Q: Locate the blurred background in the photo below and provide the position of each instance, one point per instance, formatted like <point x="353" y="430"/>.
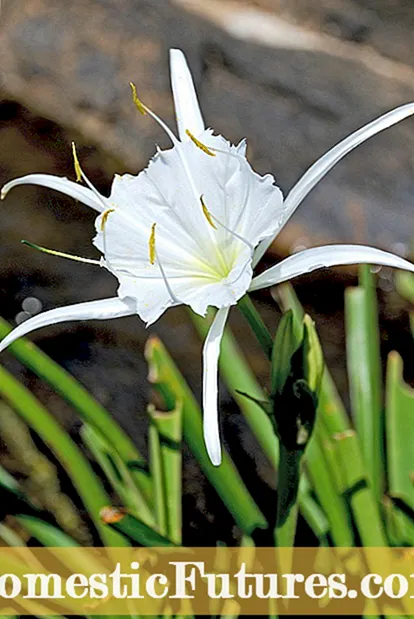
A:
<point x="293" y="77"/>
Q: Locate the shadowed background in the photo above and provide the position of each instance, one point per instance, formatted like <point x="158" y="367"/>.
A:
<point x="292" y="78"/>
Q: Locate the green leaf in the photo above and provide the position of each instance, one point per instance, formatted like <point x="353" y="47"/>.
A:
<point x="249" y="311"/>
<point x="265" y="405"/>
<point x="400" y="526"/>
<point x="157" y="475"/>
<point x="331" y="419"/>
<point x="169" y="428"/>
<point x="170" y="384"/>
<point x="117" y="472"/>
<point x="365" y="376"/>
<point x="71" y="457"/>
<point x="324" y="485"/>
<point x="288" y="339"/>
<point x="400" y="432"/>
<point x="313" y="356"/>
<point x="359" y="494"/>
<point x="45" y="533"/>
<point x="404" y="283"/>
<point x="132" y="528"/>
<point x="312" y="512"/>
<point x="83" y="402"/>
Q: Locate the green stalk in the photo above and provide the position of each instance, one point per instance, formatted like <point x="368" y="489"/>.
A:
<point x="45" y="533"/>
<point x="287" y="491"/>
<point x="70" y="456"/>
<point x="364" y="372"/>
<point x="330" y="406"/>
<point x="404" y="283"/>
<point x="87" y="407"/>
<point x="238" y="377"/>
<point x="330" y="500"/>
<point x="169" y="428"/>
<point x="252" y="316"/>
<point x="312" y="512"/>
<point x="133" y="528"/>
<point x="157" y="475"/>
<point x="400" y="432"/>
<point x="360" y="495"/>
<point x="169" y="382"/>
<point x="117" y="473"/>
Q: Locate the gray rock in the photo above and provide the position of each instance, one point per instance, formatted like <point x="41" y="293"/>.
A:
<point x="292" y="100"/>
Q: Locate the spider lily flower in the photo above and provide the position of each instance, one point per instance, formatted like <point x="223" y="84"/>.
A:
<point x="190" y="228"/>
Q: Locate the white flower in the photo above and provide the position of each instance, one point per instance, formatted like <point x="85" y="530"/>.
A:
<point x="190" y="228"/>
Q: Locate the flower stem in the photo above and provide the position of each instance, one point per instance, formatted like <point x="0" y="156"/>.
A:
<point x="257" y="325"/>
<point x="287" y="493"/>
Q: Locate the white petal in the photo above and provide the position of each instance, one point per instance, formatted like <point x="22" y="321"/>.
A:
<point x="150" y="296"/>
<point x="327" y="256"/>
<point x="211" y="353"/>
<point x="187" y="109"/>
<point x="74" y="190"/>
<point x="91" y="310"/>
<point x="322" y="166"/>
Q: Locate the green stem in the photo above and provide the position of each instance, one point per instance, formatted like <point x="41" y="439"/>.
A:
<point x="171" y="385"/>
<point x="238" y="377"/>
<point x="287" y="494"/>
<point x="250" y="313"/>
<point x="365" y="375"/>
<point x="157" y="474"/>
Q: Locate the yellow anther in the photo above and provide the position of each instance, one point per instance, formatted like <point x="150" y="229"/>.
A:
<point x="151" y="244"/>
<point x="105" y="216"/>
<point x="78" y="169"/>
<point x="199" y="144"/>
<point x="207" y="213"/>
<point x="140" y="106"/>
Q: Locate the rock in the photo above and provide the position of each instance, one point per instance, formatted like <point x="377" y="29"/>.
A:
<point x="291" y="90"/>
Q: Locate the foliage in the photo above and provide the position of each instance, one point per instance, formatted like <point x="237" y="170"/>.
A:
<point x="351" y="482"/>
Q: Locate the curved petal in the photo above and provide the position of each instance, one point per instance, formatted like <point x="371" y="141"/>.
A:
<point x="187" y="109"/>
<point x="327" y="256"/>
<point x="91" y="310"/>
<point x="74" y="190"/>
<point x="322" y="166"/>
<point x="211" y="353"/>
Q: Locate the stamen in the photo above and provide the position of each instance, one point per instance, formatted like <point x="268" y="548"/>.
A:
<point x="78" y="169"/>
<point x="241" y="158"/>
<point x="151" y="244"/>
<point x="232" y="232"/>
<point x="60" y="254"/>
<point x="105" y="216"/>
<point x="207" y="213"/>
<point x="81" y="175"/>
<point x="199" y="144"/>
<point x="139" y="105"/>
<point x="143" y="109"/>
<point x="153" y="255"/>
<point x="164" y="277"/>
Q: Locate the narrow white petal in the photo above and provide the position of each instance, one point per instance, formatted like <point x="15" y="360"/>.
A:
<point x="327" y="256"/>
<point x="74" y="190"/>
<point x="211" y="353"/>
<point x="187" y="109"/>
<point x="322" y="166"/>
<point x="91" y="310"/>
